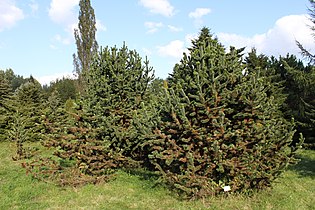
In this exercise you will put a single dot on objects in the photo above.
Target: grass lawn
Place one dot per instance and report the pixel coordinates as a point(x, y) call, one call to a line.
point(294, 190)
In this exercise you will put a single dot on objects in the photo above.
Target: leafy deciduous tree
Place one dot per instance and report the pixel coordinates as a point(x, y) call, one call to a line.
point(85, 40)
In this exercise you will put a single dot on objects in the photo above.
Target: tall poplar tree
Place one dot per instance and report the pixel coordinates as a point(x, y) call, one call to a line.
point(85, 41)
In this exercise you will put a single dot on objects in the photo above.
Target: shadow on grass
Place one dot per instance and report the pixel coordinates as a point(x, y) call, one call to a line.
point(144, 174)
point(154, 181)
point(305, 168)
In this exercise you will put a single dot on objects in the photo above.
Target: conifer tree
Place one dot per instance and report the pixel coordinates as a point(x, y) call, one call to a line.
point(29, 103)
point(306, 53)
point(263, 65)
point(77, 141)
point(219, 127)
point(5, 107)
point(86, 42)
point(310, 114)
point(14, 80)
point(300, 87)
point(19, 134)
point(117, 86)
point(307, 102)
point(65, 87)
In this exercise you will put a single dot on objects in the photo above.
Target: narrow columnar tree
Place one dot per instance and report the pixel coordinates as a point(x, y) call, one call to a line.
point(86, 42)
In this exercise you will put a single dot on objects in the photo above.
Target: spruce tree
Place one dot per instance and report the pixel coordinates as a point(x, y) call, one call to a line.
point(5, 107)
point(29, 104)
point(100, 133)
point(310, 124)
point(65, 87)
point(300, 87)
point(19, 134)
point(86, 42)
point(76, 142)
point(306, 53)
point(117, 87)
point(218, 126)
point(262, 64)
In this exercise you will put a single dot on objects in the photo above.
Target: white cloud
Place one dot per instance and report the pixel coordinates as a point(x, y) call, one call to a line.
point(100, 26)
point(174, 49)
point(62, 40)
point(52, 46)
point(153, 26)
point(45, 80)
point(62, 11)
point(279, 40)
point(2, 45)
point(199, 13)
point(9, 14)
point(34, 6)
point(147, 51)
point(174, 28)
point(190, 37)
point(162, 7)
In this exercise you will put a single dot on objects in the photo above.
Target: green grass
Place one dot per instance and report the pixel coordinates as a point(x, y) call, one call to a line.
point(294, 190)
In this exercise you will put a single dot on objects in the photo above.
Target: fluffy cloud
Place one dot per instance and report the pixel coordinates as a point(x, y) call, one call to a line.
point(146, 51)
point(279, 40)
point(100, 26)
point(9, 14)
point(199, 13)
point(190, 37)
point(45, 80)
point(174, 28)
point(34, 6)
point(162, 7)
point(65, 13)
point(174, 49)
point(62, 12)
point(153, 26)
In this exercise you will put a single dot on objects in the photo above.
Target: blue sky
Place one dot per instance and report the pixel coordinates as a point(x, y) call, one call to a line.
point(36, 36)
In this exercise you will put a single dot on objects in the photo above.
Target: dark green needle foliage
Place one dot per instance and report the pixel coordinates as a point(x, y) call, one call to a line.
point(5, 107)
point(19, 134)
point(85, 158)
point(310, 114)
point(29, 104)
point(300, 88)
point(100, 135)
point(263, 65)
point(219, 127)
point(76, 154)
point(117, 88)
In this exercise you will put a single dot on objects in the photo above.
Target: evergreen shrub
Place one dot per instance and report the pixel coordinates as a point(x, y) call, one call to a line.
point(219, 130)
